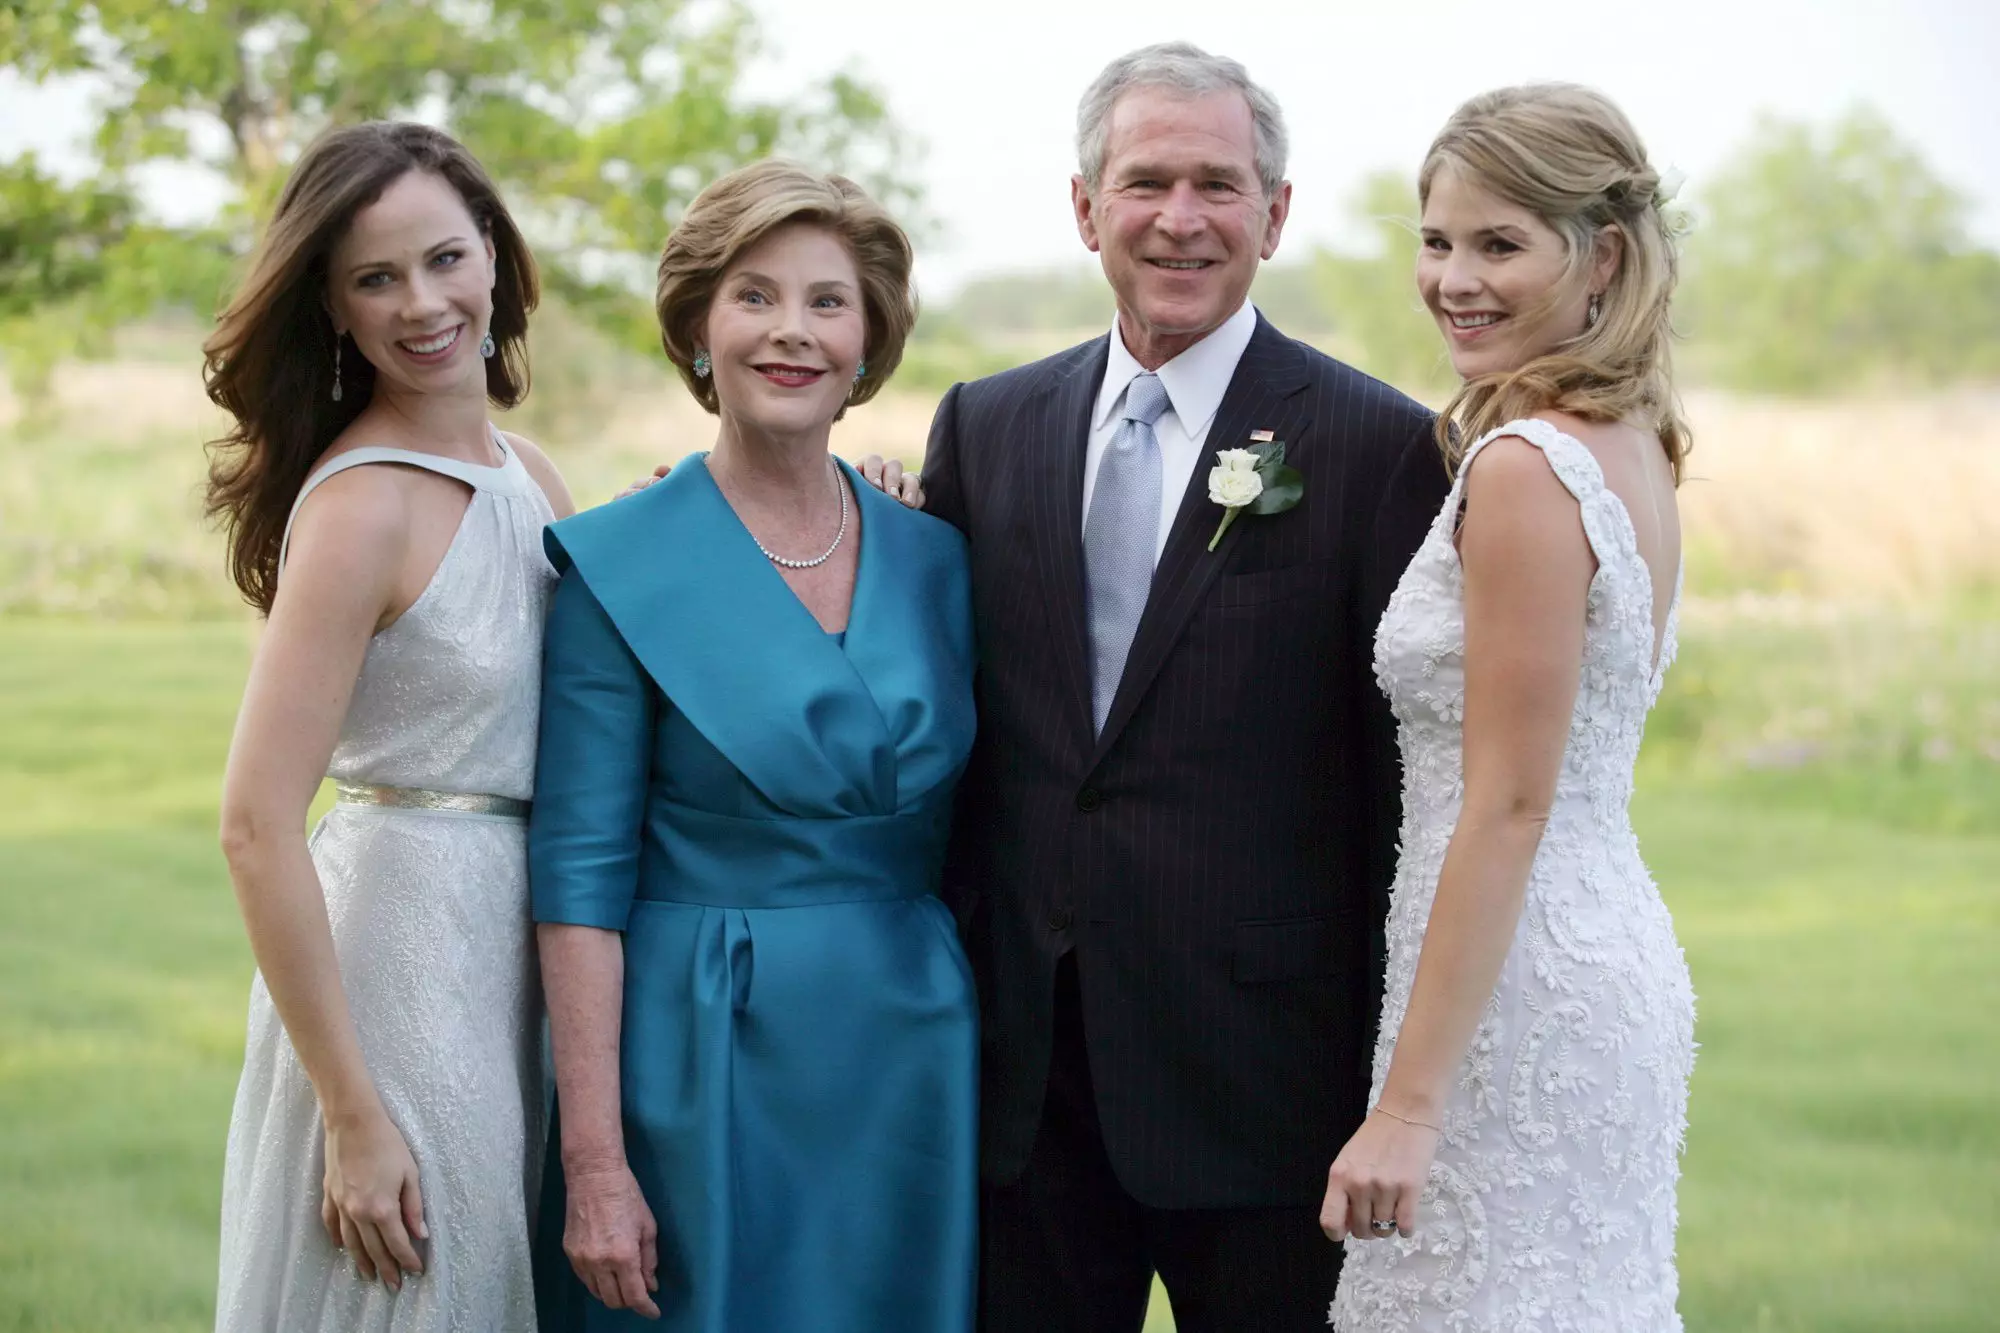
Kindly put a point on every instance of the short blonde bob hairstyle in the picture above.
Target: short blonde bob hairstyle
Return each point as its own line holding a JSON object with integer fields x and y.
{"x": 736, "y": 212}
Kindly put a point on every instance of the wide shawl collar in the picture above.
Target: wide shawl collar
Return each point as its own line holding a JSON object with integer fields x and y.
{"x": 819, "y": 728}
{"x": 1265, "y": 393}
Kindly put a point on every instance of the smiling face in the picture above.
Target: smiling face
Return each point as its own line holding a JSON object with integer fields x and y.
{"x": 785, "y": 331}
{"x": 412, "y": 282}
{"x": 1179, "y": 217}
{"x": 1496, "y": 278}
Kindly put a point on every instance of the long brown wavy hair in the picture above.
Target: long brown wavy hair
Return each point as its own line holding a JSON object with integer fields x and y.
{"x": 1568, "y": 155}
{"x": 270, "y": 362}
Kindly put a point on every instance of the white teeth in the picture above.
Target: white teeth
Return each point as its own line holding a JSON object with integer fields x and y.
{"x": 1473, "y": 321}
{"x": 1181, "y": 263}
{"x": 437, "y": 344}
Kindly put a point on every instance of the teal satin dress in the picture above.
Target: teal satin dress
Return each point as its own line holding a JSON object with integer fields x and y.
{"x": 761, "y": 809}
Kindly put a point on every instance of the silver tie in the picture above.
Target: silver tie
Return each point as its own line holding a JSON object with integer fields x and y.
{"x": 1120, "y": 537}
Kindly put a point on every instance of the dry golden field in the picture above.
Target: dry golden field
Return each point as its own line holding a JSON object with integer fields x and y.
{"x": 1879, "y": 500}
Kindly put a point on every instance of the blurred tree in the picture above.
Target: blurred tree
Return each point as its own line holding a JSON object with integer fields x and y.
{"x": 53, "y": 237}
{"x": 1371, "y": 294}
{"x": 599, "y": 120}
{"x": 74, "y": 259}
{"x": 1835, "y": 257}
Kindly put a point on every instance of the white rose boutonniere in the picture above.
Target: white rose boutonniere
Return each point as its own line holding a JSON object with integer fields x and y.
{"x": 1233, "y": 488}
{"x": 1255, "y": 479}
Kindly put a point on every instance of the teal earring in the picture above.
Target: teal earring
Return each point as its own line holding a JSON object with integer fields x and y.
{"x": 701, "y": 365}
{"x": 860, "y": 369}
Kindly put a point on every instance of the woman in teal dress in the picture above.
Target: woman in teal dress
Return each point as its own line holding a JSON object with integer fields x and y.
{"x": 757, "y": 698}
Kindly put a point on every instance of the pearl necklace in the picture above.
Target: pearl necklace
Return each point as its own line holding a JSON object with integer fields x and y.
{"x": 823, "y": 556}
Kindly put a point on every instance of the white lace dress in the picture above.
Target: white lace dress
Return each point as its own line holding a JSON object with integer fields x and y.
{"x": 429, "y": 910}
{"x": 1551, "y": 1203}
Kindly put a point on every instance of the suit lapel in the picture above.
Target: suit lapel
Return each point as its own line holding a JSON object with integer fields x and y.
{"x": 1263, "y": 394}
{"x": 1060, "y": 420}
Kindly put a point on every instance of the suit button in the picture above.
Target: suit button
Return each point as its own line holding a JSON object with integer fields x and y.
{"x": 1061, "y": 917}
{"x": 1088, "y": 800}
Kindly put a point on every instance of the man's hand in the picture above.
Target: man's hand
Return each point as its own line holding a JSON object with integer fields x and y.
{"x": 890, "y": 479}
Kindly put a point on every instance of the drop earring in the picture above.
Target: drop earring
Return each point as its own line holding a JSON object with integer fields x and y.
{"x": 338, "y": 338}
{"x": 1596, "y": 309}
{"x": 860, "y": 369}
{"x": 701, "y": 365}
{"x": 486, "y": 347}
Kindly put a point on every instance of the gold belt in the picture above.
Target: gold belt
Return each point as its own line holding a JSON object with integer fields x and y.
{"x": 415, "y": 798}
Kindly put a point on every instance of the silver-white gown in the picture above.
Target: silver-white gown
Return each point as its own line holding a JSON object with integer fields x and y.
{"x": 1551, "y": 1203}
{"x": 430, "y": 922}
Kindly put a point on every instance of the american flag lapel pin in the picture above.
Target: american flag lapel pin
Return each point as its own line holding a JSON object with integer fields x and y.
{"x": 1262, "y": 436}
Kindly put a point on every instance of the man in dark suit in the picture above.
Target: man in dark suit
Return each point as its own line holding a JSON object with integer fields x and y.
{"x": 1177, "y": 833}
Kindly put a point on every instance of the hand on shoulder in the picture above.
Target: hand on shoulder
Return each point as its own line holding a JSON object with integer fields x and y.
{"x": 890, "y": 479}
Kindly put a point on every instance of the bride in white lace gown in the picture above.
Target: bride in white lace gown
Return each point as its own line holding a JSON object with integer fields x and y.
{"x": 384, "y": 1152}
{"x": 1519, "y": 1169}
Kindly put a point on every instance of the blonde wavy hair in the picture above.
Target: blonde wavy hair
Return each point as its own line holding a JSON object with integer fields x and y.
{"x": 1568, "y": 155}
{"x": 736, "y": 212}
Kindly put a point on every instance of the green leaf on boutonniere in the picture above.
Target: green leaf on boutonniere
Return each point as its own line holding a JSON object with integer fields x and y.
{"x": 1283, "y": 488}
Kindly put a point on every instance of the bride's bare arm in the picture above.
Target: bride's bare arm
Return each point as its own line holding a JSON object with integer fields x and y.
{"x": 1528, "y": 569}
{"x": 347, "y": 553}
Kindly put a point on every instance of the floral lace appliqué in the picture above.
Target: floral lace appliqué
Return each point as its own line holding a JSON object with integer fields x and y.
{"x": 1551, "y": 1204}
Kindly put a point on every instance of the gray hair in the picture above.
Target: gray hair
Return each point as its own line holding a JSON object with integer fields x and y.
{"x": 1188, "y": 71}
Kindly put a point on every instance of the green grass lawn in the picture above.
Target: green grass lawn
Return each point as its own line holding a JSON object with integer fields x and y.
{"x": 1843, "y": 1167}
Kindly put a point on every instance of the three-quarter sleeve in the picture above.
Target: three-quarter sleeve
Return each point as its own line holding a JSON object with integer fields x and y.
{"x": 592, "y": 768}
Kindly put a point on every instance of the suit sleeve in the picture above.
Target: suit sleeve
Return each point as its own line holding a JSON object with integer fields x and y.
{"x": 592, "y": 768}
{"x": 944, "y": 482}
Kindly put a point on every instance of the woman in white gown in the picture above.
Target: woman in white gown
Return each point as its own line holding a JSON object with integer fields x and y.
{"x": 1518, "y": 1171}
{"x": 388, "y": 1122}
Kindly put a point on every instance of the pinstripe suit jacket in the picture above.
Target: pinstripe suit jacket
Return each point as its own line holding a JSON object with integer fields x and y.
{"x": 1219, "y": 857}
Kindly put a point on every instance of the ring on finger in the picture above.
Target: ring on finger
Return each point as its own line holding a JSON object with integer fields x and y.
{"x": 1382, "y": 1228}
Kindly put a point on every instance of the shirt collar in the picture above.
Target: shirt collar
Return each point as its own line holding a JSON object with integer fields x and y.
{"x": 1195, "y": 380}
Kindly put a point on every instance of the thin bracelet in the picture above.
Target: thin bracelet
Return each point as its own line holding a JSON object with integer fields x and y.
{"x": 1418, "y": 1124}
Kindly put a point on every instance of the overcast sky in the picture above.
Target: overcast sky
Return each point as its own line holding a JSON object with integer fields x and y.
{"x": 992, "y": 89}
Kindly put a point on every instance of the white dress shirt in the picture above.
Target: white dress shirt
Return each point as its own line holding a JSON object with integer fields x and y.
{"x": 1195, "y": 382}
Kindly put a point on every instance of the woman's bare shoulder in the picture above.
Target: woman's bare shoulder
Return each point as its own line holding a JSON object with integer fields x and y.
{"x": 544, "y": 471}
